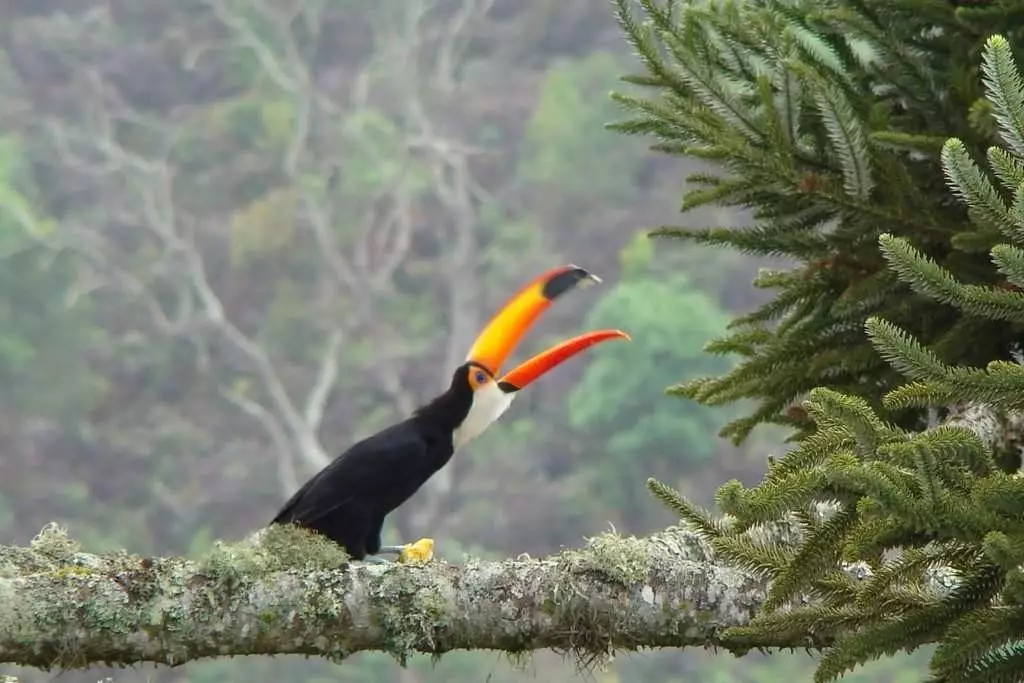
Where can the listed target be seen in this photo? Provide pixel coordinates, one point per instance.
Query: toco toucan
(349, 498)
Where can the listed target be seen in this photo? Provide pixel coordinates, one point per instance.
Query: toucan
(349, 498)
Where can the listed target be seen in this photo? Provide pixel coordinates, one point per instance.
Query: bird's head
(479, 378)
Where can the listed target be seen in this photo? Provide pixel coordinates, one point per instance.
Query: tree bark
(289, 593)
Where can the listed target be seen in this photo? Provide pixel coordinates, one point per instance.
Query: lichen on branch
(286, 592)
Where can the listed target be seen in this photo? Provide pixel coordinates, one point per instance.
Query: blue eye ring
(481, 377)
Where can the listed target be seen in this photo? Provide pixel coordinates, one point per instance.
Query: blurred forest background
(238, 235)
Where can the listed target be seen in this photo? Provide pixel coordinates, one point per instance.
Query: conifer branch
(1008, 168)
(846, 133)
(1005, 88)
(848, 117)
(788, 102)
(934, 281)
(1010, 262)
(969, 183)
(819, 526)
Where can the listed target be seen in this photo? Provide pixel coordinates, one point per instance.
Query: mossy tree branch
(293, 594)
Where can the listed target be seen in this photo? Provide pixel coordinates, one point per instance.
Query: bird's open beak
(546, 361)
(506, 329)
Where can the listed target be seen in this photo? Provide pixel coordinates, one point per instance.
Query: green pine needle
(1005, 89)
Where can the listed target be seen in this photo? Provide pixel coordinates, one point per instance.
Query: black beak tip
(567, 280)
(508, 387)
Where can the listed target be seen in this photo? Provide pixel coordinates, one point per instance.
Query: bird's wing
(362, 472)
(298, 508)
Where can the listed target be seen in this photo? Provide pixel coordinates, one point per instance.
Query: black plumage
(348, 500)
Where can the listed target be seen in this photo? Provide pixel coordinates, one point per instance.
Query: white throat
(489, 403)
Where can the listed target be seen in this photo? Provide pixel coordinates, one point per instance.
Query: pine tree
(826, 120)
(853, 131)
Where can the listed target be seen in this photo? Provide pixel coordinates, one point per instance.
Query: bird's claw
(420, 552)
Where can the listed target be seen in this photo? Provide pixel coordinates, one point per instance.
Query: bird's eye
(481, 377)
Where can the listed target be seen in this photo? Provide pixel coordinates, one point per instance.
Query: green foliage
(996, 204)
(935, 523)
(666, 344)
(641, 431)
(564, 149)
(825, 121)
(878, 539)
(42, 333)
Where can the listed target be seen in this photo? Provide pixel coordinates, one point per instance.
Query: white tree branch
(284, 74)
(152, 206)
(275, 430)
(326, 374)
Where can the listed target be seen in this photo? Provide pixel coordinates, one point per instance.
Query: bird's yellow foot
(420, 552)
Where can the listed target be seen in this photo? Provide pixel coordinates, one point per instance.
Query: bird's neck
(445, 413)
